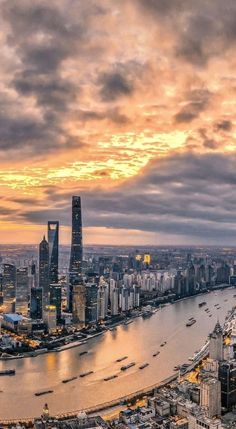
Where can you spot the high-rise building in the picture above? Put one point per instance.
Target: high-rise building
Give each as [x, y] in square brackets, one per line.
[55, 299]
[53, 240]
[216, 343]
[50, 317]
[79, 305]
[9, 287]
[44, 269]
[114, 297]
[102, 301]
[36, 303]
[91, 303]
[210, 396]
[76, 254]
[22, 291]
[227, 377]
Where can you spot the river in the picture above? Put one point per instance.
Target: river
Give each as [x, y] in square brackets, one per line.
[138, 341]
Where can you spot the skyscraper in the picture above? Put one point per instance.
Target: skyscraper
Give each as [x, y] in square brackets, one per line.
[36, 303]
[9, 287]
[53, 238]
[22, 291]
[227, 377]
[79, 304]
[216, 343]
[76, 254]
[44, 270]
[210, 396]
[91, 291]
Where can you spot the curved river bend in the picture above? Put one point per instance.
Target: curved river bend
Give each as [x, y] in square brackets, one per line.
[138, 341]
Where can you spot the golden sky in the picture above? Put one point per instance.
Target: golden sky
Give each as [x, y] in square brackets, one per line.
[129, 104]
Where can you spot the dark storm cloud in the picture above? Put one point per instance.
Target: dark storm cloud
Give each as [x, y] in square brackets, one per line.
[114, 85]
[196, 102]
[224, 125]
[183, 194]
[202, 29]
[43, 36]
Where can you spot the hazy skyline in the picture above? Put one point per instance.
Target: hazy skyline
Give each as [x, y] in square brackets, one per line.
[129, 104]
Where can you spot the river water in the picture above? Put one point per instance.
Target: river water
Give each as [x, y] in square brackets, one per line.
[138, 341]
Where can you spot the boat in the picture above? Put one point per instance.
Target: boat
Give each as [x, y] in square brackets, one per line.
[176, 368]
[207, 309]
[121, 359]
[201, 304]
[163, 344]
[190, 323]
[123, 368]
[45, 392]
[8, 372]
[84, 374]
[191, 318]
[146, 314]
[83, 353]
[67, 380]
[111, 377]
[128, 322]
[143, 366]
[156, 354]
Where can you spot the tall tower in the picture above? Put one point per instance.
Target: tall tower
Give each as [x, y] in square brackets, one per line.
[216, 343]
[76, 254]
[53, 238]
[22, 291]
[44, 269]
[9, 287]
[210, 396]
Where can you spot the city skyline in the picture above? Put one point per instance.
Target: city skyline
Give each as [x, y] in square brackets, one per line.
[138, 121]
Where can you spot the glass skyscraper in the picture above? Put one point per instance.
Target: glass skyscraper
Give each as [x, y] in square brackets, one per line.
[76, 254]
[22, 291]
[53, 238]
[44, 270]
[9, 287]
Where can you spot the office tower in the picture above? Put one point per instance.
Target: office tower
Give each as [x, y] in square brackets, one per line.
[79, 304]
[53, 239]
[102, 301]
[9, 288]
[216, 343]
[1, 293]
[22, 291]
[114, 297]
[44, 270]
[124, 299]
[227, 377]
[190, 280]
[136, 295]
[50, 317]
[223, 274]
[210, 396]
[55, 299]
[36, 303]
[91, 291]
[76, 254]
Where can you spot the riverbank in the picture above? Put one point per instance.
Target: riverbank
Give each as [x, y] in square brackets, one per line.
[140, 341]
[76, 343]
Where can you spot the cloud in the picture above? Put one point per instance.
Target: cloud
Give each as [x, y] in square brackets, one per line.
[187, 195]
[114, 85]
[195, 103]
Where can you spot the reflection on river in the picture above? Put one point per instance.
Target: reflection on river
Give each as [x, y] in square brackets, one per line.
[139, 341]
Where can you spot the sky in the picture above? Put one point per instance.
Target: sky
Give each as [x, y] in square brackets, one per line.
[130, 104]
